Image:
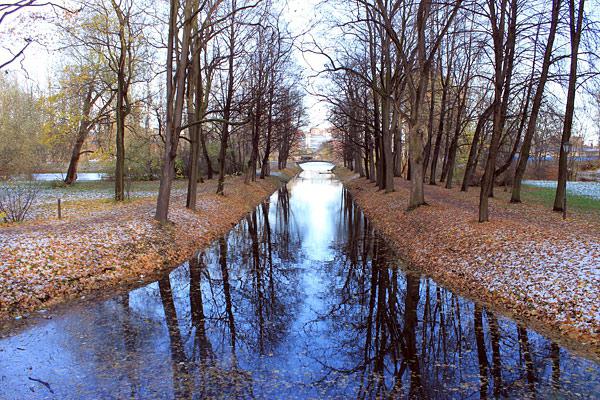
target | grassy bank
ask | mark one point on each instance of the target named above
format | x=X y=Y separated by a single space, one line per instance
x=545 y=197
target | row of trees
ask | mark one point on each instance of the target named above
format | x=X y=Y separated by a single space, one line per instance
x=456 y=79
x=229 y=66
x=201 y=87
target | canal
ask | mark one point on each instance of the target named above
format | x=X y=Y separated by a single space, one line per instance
x=301 y=300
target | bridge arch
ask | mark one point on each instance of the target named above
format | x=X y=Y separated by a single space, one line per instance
x=325 y=165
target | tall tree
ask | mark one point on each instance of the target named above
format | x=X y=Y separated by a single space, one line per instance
x=113 y=33
x=576 y=12
x=503 y=22
x=177 y=66
x=537 y=103
x=123 y=63
x=226 y=124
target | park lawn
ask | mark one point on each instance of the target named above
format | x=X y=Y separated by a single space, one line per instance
x=106 y=185
x=545 y=197
x=87 y=197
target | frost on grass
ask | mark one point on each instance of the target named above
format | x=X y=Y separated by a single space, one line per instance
x=45 y=204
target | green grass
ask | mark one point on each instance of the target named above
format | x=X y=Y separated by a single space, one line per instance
x=545 y=197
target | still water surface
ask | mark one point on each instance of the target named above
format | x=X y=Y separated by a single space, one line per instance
x=302 y=299
x=58 y=176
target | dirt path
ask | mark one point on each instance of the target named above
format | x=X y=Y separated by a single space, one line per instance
x=527 y=262
x=102 y=244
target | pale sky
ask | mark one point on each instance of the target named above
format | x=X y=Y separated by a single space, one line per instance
x=41 y=60
x=302 y=15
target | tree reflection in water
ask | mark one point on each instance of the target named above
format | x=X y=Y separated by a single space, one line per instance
x=302 y=299
x=404 y=336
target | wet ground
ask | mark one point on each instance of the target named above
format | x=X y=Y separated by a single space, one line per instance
x=301 y=300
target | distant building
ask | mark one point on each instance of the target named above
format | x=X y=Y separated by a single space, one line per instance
x=581 y=151
x=315 y=137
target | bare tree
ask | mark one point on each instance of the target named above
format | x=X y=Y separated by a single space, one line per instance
x=16 y=7
x=503 y=22
x=576 y=12
x=537 y=103
x=177 y=66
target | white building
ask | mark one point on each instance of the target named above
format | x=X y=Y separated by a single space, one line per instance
x=316 y=137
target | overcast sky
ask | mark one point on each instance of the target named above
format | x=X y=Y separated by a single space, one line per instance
x=42 y=60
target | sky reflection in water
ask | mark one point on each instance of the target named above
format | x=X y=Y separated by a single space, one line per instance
x=300 y=300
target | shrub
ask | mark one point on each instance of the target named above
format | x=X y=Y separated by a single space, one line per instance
x=16 y=200
x=58 y=184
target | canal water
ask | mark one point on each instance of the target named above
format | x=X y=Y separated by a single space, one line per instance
x=301 y=300
x=81 y=176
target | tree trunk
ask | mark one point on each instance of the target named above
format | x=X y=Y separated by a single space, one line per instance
x=535 y=109
x=429 y=126
x=358 y=166
x=504 y=59
x=416 y=129
x=175 y=101
x=452 y=150
x=473 y=151
x=265 y=167
x=438 y=140
x=440 y=133
x=82 y=133
x=120 y=141
x=387 y=169
x=194 y=131
x=416 y=145
x=575 y=22
x=397 y=151
x=193 y=178
x=387 y=122
x=251 y=167
x=447 y=143
x=122 y=104
x=209 y=168
x=227 y=109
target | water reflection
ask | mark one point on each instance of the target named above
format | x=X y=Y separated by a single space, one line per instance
x=301 y=300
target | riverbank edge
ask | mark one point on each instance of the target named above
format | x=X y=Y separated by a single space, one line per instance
x=578 y=340
x=142 y=261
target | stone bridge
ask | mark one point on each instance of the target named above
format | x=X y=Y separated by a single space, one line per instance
x=301 y=162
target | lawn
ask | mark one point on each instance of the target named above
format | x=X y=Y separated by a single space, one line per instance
x=545 y=197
